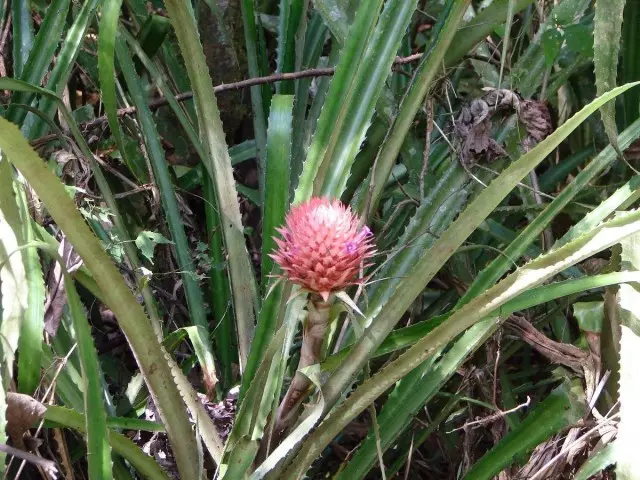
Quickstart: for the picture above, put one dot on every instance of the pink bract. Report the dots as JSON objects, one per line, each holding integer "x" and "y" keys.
{"x": 322, "y": 247}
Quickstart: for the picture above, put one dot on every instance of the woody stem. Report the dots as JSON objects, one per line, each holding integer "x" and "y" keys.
{"x": 313, "y": 335}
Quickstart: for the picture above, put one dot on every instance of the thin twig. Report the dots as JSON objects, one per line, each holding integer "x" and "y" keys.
{"x": 376, "y": 429}
{"x": 427, "y": 146}
{"x": 408, "y": 465}
{"x": 48, "y": 465}
{"x": 49, "y": 392}
{"x": 493, "y": 417}
{"x": 587, "y": 435}
{"x": 3, "y": 40}
{"x": 250, "y": 82}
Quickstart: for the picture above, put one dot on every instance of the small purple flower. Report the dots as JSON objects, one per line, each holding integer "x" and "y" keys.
{"x": 351, "y": 248}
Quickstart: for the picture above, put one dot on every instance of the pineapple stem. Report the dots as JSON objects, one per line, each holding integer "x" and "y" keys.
{"x": 313, "y": 335}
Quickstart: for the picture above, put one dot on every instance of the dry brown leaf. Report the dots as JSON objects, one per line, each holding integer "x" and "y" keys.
{"x": 23, "y": 411}
{"x": 557, "y": 352}
{"x": 535, "y": 117}
{"x": 57, "y": 298}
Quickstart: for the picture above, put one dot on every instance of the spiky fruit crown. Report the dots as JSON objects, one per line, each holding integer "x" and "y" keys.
{"x": 322, "y": 246}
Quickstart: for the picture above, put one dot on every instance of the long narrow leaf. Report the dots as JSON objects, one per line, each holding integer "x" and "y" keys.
{"x": 30, "y": 345}
{"x": 61, "y": 72}
{"x": 631, "y": 59}
{"x": 117, "y": 296}
{"x": 606, "y": 45}
{"x": 333, "y": 119}
{"x": 259, "y": 103}
{"x": 98, "y": 449}
{"x": 107, "y": 70}
{"x": 367, "y": 87}
{"x": 220, "y": 292}
{"x": 433, "y": 259}
{"x": 218, "y": 164}
{"x": 44, "y": 46}
{"x": 527, "y": 236}
{"x": 143, "y": 463}
{"x": 564, "y": 407}
{"x": 277, "y": 179}
{"x": 291, "y": 20}
{"x": 430, "y": 66}
{"x": 629, "y": 391}
{"x": 13, "y": 285}
{"x": 485, "y": 306}
{"x": 193, "y": 293}
{"x": 22, "y": 34}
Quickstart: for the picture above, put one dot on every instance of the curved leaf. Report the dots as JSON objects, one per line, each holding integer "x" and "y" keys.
{"x": 116, "y": 293}
{"x": 487, "y": 307}
{"x": 606, "y": 45}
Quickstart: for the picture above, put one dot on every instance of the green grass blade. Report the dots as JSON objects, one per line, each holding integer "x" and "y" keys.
{"x": 241, "y": 447}
{"x": 98, "y": 449}
{"x": 218, "y": 164}
{"x": 277, "y": 178}
{"x": 277, "y": 204}
{"x": 352, "y": 96}
{"x": 13, "y": 286}
{"x": 163, "y": 83}
{"x": 40, "y": 55}
{"x": 13, "y": 269}
{"x": 407, "y": 336}
{"x": 107, "y": 70}
{"x": 606, "y": 45}
{"x": 366, "y": 88}
{"x": 291, "y": 22}
{"x": 259, "y": 103}
{"x": 596, "y": 462}
{"x": 506, "y": 236}
{"x": 625, "y": 195}
{"x": 220, "y": 292}
{"x": 143, "y": 463}
{"x": 30, "y": 344}
{"x": 316, "y": 35}
{"x": 429, "y": 67}
{"x": 628, "y": 305}
{"x": 117, "y": 296}
{"x": 552, "y": 177}
{"x": 435, "y": 214}
{"x": 334, "y": 15}
{"x": 564, "y": 406}
{"x": 151, "y": 35}
{"x": 479, "y": 27}
{"x": 193, "y": 294}
{"x": 61, "y": 72}
{"x": 22, "y": 24}
{"x": 631, "y": 59}
{"x": 68, "y": 380}
{"x": 340, "y": 93}
{"x": 262, "y": 394}
{"x": 506, "y": 37}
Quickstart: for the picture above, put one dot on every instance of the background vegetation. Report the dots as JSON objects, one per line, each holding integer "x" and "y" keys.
{"x": 150, "y": 150}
